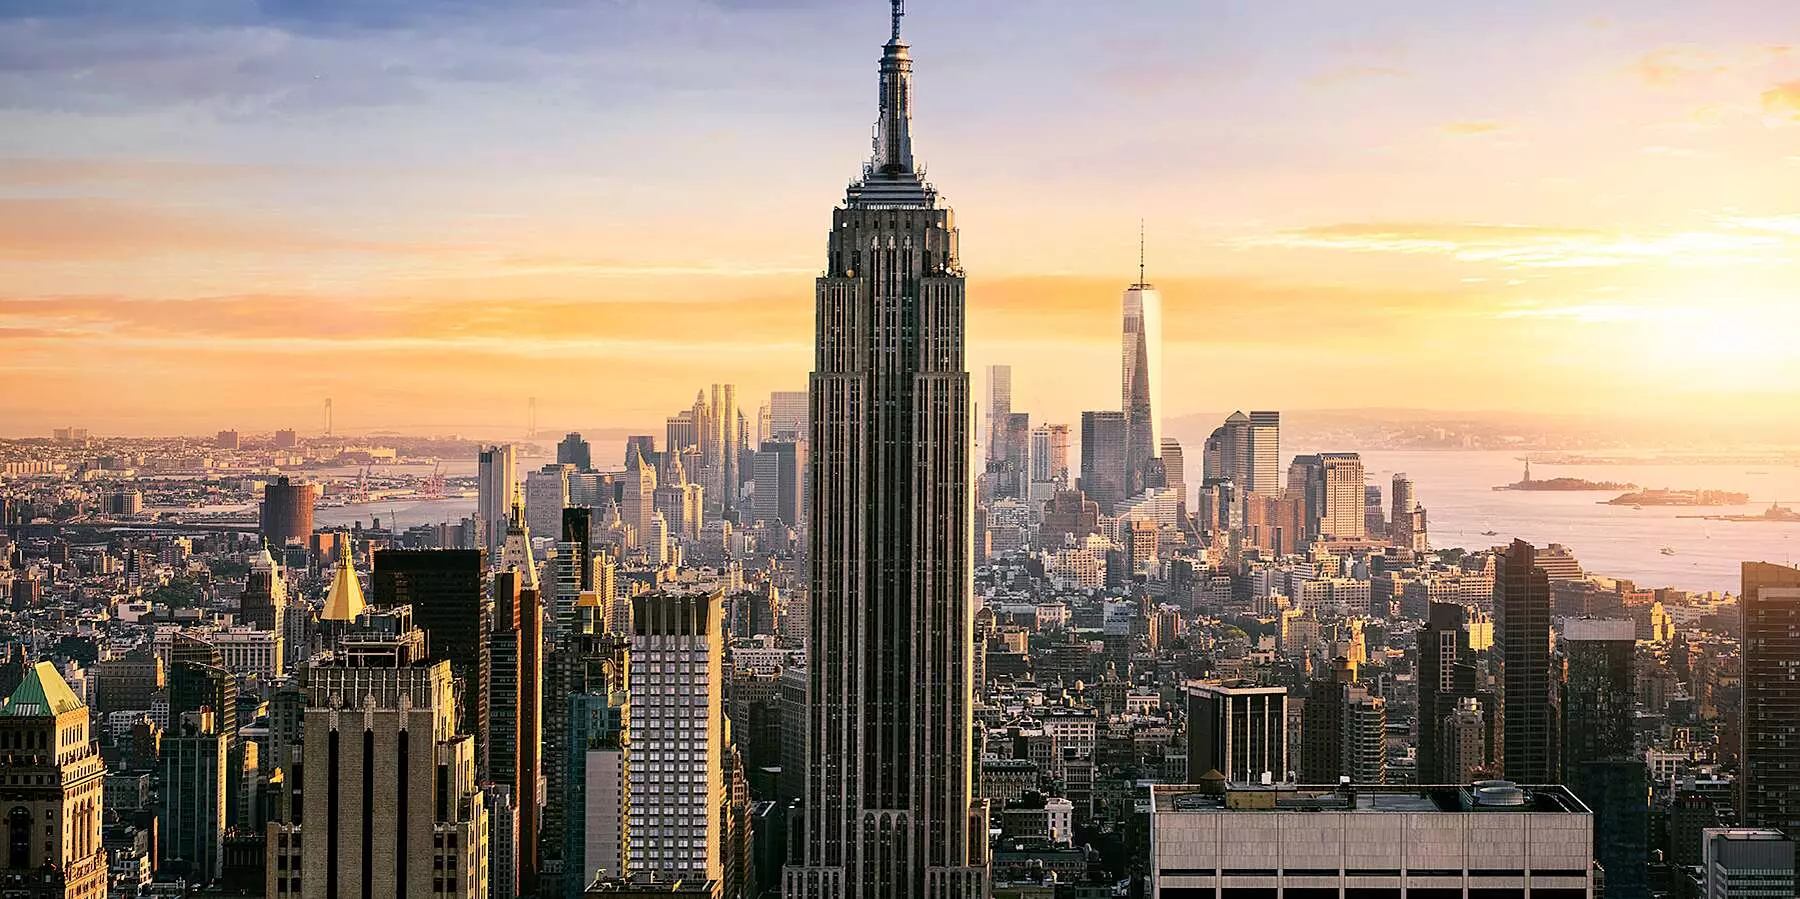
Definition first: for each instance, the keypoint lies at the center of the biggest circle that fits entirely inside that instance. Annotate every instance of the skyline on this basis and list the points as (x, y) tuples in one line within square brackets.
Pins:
[(436, 212)]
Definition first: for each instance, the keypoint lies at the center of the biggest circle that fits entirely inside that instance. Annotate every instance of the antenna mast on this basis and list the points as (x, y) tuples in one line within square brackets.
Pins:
[(1141, 279), (899, 11)]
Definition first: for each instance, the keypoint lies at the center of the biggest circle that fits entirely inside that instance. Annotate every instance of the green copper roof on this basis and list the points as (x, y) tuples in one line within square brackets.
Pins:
[(42, 694)]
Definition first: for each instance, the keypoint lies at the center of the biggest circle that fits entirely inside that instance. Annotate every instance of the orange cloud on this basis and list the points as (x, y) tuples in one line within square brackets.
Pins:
[(1354, 74), (1673, 66), (1781, 104), (88, 229)]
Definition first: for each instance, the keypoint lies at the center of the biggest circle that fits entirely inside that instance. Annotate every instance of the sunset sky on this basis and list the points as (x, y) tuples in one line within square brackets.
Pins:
[(217, 213)]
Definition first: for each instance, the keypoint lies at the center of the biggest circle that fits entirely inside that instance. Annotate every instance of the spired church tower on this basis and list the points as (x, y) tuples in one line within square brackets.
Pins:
[(889, 802)]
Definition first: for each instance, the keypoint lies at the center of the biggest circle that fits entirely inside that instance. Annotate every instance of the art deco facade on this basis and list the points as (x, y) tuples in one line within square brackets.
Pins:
[(889, 803), (52, 795)]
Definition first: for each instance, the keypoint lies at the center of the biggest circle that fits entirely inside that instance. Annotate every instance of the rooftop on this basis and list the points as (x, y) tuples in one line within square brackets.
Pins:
[(1491, 796), (42, 694)]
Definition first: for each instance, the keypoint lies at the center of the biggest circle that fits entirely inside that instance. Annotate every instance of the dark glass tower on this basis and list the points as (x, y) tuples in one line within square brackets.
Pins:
[(889, 804), (444, 589), (1522, 636), (1771, 774)]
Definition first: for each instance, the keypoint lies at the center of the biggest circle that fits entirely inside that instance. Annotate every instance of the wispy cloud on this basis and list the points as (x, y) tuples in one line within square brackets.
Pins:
[(1730, 239), (1781, 104)]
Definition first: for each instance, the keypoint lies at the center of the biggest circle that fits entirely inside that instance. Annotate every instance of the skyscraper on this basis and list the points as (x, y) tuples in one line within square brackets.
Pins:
[(788, 415), (998, 411), (889, 806), (1240, 732), (387, 793), (1522, 639), (1264, 464), (546, 495), (52, 795), (1331, 485), (1599, 764), (1103, 458), (496, 486), (1050, 454), (444, 589), (1140, 382), (1246, 450), (515, 723), (1771, 761), (780, 481), (676, 755), (287, 511), (575, 451)]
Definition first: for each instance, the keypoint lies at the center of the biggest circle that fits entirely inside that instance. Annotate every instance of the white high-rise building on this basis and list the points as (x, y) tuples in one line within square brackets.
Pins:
[(788, 413), (675, 759), (496, 486)]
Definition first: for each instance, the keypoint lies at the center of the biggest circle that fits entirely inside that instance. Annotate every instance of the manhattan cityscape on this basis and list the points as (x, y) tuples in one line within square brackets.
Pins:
[(1350, 457)]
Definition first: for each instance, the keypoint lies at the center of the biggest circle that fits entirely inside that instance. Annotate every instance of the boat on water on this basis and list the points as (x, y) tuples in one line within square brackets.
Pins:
[(1668, 551), (1490, 533)]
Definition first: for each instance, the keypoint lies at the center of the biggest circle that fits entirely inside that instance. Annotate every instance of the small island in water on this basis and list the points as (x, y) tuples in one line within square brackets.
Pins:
[(1775, 512), (1563, 484), (1680, 498)]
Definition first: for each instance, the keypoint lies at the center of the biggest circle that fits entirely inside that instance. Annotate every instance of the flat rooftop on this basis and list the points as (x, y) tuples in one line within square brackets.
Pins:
[(1486, 797)]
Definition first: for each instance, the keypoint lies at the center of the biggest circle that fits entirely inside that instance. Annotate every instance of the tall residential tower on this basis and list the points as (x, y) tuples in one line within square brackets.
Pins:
[(889, 803)]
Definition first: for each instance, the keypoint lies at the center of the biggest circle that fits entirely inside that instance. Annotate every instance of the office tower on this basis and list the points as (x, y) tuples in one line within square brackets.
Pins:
[(1367, 840), (781, 467), (515, 723), (1050, 454), (731, 429), (1263, 467), (1374, 516), (999, 410), (675, 758), (1443, 643), (788, 414), (680, 433), (57, 786), (889, 701), (587, 716), (227, 440), (287, 511), (1103, 458), (386, 800), (1331, 485), (199, 681), (1770, 777), (1240, 732), (496, 486), (637, 502), (1522, 642), (263, 604), (574, 567), (575, 452), (681, 503), (1174, 467), (1743, 863), (546, 496), (1007, 474), (286, 439), (191, 819), (659, 547), (443, 587), (1407, 527), (344, 601), (1343, 730), (1463, 737), (1140, 381)]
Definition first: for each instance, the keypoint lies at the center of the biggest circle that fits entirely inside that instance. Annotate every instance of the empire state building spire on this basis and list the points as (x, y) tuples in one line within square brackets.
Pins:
[(893, 133)]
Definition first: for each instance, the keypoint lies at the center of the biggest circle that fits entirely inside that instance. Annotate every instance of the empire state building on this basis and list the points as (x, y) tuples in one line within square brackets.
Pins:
[(889, 808)]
